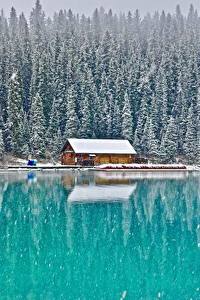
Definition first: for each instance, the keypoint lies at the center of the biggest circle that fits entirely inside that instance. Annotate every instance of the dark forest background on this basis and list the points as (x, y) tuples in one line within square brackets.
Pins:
[(104, 76)]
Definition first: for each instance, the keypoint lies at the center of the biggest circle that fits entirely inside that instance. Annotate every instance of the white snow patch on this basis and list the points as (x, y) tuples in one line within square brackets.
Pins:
[(142, 166), (193, 168), (13, 76), (48, 165)]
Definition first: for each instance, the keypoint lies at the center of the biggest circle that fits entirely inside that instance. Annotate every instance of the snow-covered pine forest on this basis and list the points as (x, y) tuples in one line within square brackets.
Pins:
[(104, 76)]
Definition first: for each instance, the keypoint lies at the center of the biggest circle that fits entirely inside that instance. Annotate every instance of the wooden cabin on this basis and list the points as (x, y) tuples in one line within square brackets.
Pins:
[(92, 152)]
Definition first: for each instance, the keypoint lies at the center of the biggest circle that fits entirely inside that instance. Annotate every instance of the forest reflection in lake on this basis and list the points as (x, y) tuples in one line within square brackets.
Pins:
[(86, 235)]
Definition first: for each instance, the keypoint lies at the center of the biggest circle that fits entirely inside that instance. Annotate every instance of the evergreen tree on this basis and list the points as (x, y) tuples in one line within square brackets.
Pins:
[(2, 149), (7, 135), (142, 119), (190, 145), (153, 144), (37, 128), (72, 124), (98, 119), (16, 115), (26, 69), (198, 127), (127, 121), (197, 159), (86, 129), (169, 143), (26, 131), (117, 126)]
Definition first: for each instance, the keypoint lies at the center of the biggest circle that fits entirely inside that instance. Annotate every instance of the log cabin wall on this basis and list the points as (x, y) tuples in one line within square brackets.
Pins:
[(73, 159), (113, 159), (68, 159), (99, 159)]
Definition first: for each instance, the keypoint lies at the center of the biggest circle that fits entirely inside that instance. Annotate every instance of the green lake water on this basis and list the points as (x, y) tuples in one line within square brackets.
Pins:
[(113, 236)]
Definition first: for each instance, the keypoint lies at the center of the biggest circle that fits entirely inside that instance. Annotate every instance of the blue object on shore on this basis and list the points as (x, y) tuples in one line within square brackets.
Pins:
[(32, 162)]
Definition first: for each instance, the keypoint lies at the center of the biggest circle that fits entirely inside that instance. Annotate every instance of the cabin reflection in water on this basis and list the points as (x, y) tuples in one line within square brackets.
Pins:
[(109, 186), (97, 187)]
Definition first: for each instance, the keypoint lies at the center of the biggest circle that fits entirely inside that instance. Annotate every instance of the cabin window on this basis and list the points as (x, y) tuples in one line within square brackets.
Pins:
[(69, 155)]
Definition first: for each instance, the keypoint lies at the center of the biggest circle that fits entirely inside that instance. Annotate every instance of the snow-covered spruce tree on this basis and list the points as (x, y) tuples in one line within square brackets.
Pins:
[(110, 120), (23, 142), (59, 144), (190, 144), (72, 123), (7, 135), (182, 112), (26, 70), (121, 86), (117, 126), (53, 137), (159, 109), (86, 129), (134, 86), (26, 131), (16, 115), (164, 108), (142, 118), (37, 128), (59, 73), (89, 91), (43, 84), (4, 71), (103, 56), (198, 127), (98, 117), (127, 120), (145, 137), (109, 123), (169, 143), (2, 148), (149, 140), (156, 115), (153, 144), (37, 26), (197, 160), (103, 105)]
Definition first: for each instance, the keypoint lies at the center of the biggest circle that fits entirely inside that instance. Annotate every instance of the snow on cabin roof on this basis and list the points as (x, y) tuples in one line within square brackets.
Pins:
[(94, 146)]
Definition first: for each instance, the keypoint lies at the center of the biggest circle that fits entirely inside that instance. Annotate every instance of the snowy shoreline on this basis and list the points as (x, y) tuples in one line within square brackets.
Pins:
[(147, 167), (18, 164), (106, 167)]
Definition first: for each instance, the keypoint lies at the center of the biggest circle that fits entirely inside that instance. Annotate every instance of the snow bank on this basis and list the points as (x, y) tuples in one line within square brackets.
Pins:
[(142, 167)]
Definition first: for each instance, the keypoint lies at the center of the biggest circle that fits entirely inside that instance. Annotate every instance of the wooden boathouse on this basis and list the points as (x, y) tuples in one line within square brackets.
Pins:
[(92, 152)]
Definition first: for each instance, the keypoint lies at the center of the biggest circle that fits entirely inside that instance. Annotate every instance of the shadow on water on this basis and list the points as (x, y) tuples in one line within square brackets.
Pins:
[(85, 235)]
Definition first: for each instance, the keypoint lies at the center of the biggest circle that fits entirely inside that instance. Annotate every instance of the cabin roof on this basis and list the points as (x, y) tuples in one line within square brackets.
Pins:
[(99, 146)]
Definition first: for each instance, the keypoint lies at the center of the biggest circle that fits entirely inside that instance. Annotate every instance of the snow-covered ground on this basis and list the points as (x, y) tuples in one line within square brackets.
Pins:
[(148, 167), (18, 162)]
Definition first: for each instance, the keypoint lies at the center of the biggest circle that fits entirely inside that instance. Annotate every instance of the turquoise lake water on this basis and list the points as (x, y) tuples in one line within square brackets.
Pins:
[(113, 236)]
